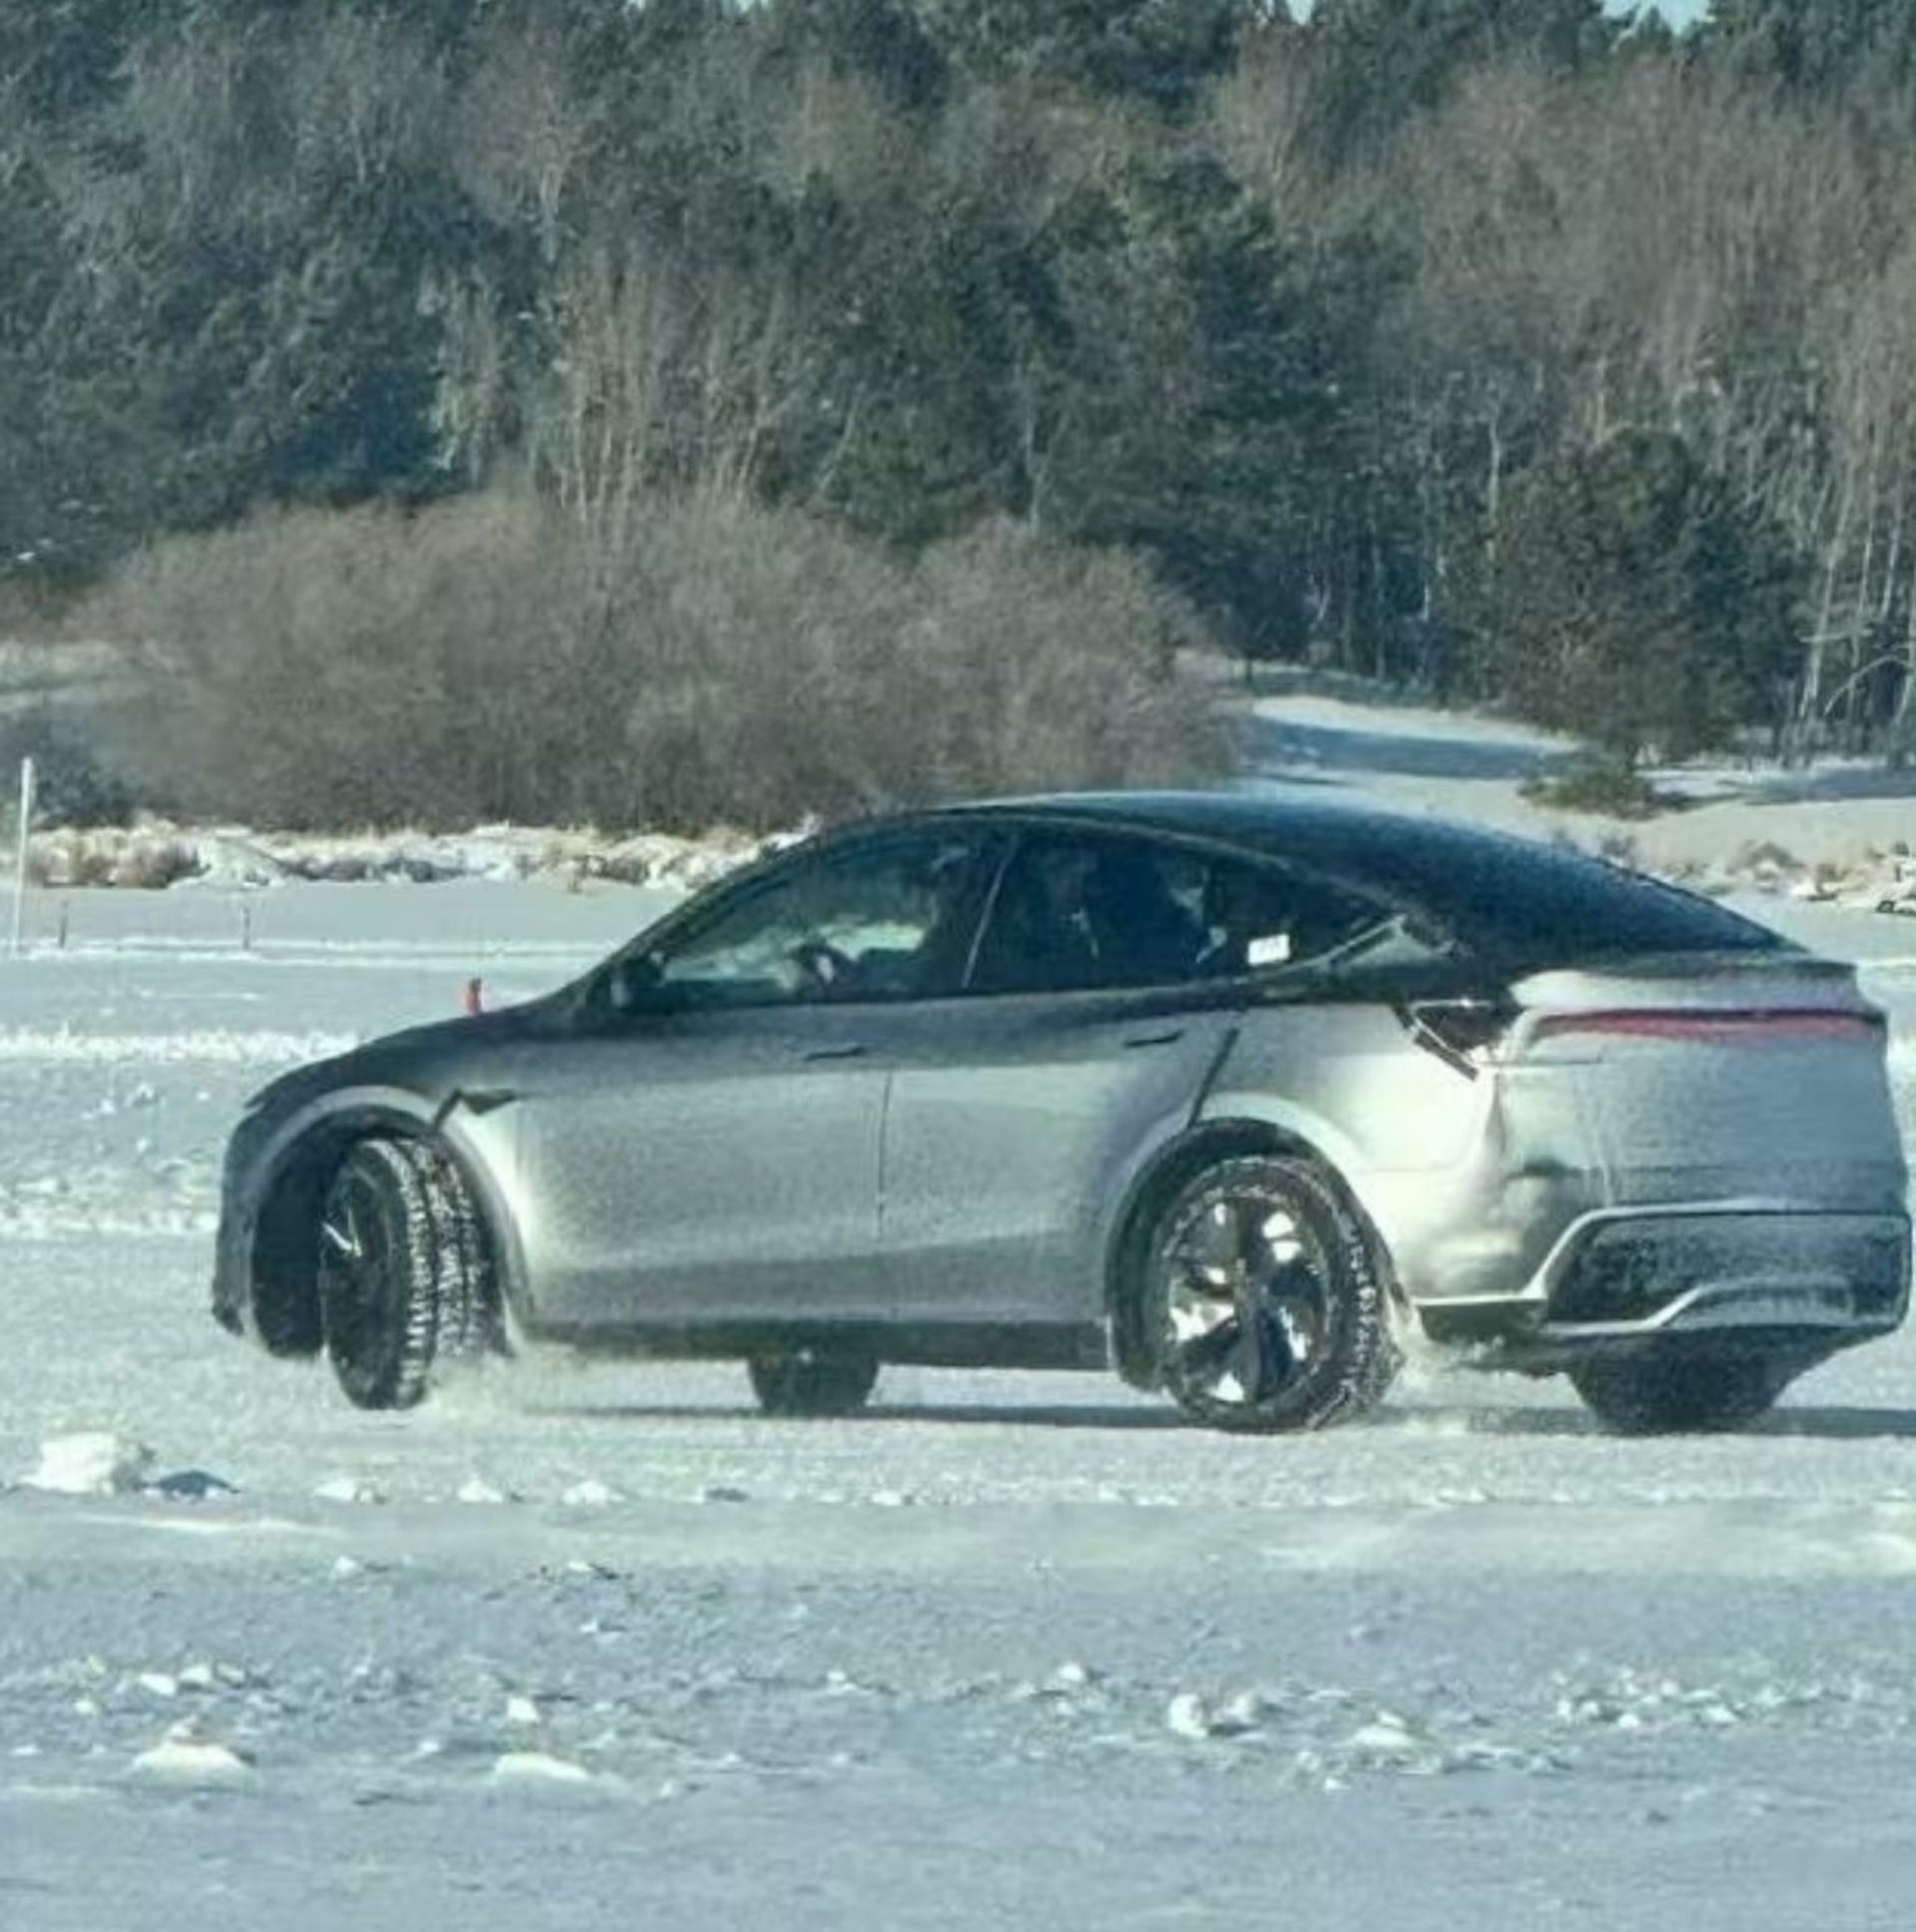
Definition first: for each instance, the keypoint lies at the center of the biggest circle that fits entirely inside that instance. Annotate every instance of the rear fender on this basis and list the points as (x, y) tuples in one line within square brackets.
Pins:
[(1227, 1125)]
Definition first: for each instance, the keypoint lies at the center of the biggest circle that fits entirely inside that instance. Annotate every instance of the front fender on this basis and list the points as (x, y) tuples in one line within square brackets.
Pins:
[(264, 1277)]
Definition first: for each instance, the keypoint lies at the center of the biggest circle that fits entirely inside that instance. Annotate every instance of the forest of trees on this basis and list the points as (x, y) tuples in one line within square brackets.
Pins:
[(910, 361)]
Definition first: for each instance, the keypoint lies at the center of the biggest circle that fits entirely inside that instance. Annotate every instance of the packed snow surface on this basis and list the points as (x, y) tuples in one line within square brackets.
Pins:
[(600, 1645)]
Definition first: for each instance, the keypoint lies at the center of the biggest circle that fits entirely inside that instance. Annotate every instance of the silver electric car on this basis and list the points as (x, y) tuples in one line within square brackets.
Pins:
[(1216, 1090)]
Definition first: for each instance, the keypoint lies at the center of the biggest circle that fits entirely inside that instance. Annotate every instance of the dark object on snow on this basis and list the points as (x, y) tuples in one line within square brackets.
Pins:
[(189, 1485)]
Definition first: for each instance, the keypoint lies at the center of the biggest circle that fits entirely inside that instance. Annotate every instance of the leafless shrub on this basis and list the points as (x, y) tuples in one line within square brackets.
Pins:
[(143, 861), (490, 660)]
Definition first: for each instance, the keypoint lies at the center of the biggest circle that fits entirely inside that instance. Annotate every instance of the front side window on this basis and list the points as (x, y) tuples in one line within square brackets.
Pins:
[(893, 919), (1080, 914)]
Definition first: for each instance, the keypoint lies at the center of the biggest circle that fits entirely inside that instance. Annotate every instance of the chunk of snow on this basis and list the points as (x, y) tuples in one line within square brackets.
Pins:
[(187, 1754), (475, 1489), (1187, 1715), (539, 1766), (347, 1489), (1393, 1740), (1384, 1732), (521, 1710), (1243, 1711), (91, 1463), (590, 1494)]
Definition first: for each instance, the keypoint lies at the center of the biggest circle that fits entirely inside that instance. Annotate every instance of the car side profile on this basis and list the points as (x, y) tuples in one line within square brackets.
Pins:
[(1215, 1089)]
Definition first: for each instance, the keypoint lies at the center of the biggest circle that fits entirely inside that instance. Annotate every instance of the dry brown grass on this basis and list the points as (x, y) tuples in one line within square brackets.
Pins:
[(137, 860)]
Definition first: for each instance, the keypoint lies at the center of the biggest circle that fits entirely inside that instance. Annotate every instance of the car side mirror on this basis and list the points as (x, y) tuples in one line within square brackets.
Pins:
[(634, 983)]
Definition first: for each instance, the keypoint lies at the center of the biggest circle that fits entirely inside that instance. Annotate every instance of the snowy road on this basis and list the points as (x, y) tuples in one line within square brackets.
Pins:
[(596, 1647)]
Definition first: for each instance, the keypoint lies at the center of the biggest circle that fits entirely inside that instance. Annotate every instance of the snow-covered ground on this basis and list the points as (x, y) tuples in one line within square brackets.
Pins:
[(599, 1646)]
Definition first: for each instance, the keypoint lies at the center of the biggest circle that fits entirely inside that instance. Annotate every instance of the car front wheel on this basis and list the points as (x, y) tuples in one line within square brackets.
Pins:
[(1263, 1298), (401, 1271)]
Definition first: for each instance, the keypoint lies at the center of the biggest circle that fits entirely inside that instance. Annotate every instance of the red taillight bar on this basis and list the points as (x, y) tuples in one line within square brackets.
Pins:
[(1725, 1026)]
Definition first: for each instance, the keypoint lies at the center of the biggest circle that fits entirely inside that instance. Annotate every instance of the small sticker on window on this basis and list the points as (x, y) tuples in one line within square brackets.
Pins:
[(1270, 949)]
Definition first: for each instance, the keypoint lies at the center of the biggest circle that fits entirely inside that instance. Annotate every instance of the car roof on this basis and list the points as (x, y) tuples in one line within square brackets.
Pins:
[(1536, 901)]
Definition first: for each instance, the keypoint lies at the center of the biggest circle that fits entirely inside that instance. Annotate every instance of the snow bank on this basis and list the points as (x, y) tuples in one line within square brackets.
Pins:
[(155, 853), (1875, 880)]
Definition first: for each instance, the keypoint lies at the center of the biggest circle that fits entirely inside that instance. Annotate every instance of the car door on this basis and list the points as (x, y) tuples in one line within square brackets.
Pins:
[(1092, 1015), (706, 1148)]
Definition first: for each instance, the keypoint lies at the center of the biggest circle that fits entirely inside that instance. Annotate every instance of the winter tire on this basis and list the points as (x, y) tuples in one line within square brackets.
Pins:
[(402, 1271), (1264, 1300), (1674, 1394), (808, 1381)]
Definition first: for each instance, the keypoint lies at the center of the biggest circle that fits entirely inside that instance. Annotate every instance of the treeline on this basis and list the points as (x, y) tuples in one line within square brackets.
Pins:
[(1500, 347)]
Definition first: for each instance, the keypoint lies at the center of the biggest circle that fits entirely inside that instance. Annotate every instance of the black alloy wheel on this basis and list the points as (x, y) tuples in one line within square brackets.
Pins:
[(1265, 1300)]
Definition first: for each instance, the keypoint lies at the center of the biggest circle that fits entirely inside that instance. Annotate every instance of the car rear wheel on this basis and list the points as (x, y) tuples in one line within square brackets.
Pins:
[(1263, 1298), (402, 1275), (1677, 1393), (806, 1382)]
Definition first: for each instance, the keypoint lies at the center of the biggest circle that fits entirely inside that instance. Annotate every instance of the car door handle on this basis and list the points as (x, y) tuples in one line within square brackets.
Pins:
[(849, 1051), (1169, 1037)]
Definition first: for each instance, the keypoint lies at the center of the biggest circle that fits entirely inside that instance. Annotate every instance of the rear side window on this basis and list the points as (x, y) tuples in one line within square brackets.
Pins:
[(1081, 913), (1550, 907)]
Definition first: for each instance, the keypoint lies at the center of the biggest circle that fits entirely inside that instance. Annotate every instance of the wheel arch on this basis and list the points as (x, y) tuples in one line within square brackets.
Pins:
[(1170, 1167), (281, 1254)]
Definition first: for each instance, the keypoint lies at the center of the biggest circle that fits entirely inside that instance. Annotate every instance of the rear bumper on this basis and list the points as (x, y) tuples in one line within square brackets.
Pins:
[(1620, 1276)]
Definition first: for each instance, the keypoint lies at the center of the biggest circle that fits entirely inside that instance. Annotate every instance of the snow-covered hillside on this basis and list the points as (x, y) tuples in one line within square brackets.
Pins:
[(601, 1647)]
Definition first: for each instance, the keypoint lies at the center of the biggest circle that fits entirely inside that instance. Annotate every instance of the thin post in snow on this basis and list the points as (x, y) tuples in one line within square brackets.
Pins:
[(19, 855)]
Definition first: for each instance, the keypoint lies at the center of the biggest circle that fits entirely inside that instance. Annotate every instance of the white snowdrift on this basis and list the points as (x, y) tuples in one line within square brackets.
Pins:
[(156, 852)]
